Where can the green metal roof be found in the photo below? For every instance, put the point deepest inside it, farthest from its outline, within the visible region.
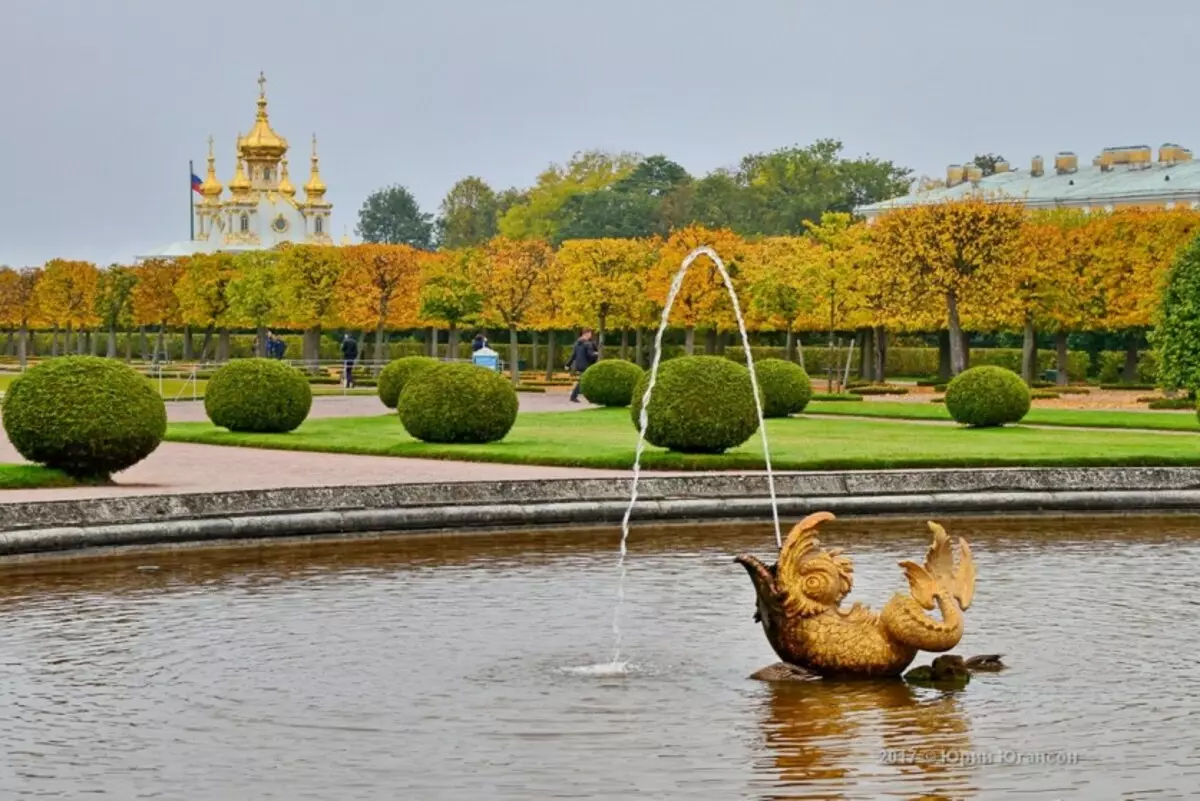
(1089, 185)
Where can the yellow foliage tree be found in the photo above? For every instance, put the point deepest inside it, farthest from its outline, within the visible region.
(20, 305)
(604, 281)
(778, 273)
(203, 294)
(702, 300)
(507, 276)
(447, 295)
(308, 282)
(379, 287)
(67, 296)
(953, 250)
(154, 299)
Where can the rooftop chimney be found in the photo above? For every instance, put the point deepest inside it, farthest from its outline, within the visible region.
(1066, 162)
(1038, 169)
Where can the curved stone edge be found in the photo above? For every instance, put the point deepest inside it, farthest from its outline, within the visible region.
(519, 515)
(163, 508)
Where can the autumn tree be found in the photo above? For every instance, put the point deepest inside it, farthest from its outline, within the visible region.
(255, 293)
(778, 286)
(19, 306)
(604, 280)
(447, 293)
(203, 293)
(10, 311)
(67, 296)
(380, 284)
(468, 215)
(540, 214)
(702, 299)
(549, 312)
(507, 277)
(114, 302)
(951, 249)
(308, 283)
(154, 299)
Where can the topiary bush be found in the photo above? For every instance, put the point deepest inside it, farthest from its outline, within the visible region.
(87, 416)
(610, 382)
(987, 396)
(393, 377)
(701, 404)
(458, 402)
(258, 395)
(785, 387)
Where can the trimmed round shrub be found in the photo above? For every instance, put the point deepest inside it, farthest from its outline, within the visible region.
(785, 387)
(610, 382)
(701, 404)
(258, 395)
(458, 402)
(87, 416)
(987, 396)
(393, 377)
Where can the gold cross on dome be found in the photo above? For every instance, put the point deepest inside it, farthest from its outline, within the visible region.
(262, 83)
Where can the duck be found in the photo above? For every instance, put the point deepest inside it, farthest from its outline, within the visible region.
(948, 672)
(985, 663)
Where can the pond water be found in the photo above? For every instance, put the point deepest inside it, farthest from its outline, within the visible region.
(434, 668)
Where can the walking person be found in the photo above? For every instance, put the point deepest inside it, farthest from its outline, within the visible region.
(479, 343)
(349, 357)
(582, 357)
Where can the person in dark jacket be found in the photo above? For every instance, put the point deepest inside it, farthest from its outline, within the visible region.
(349, 357)
(582, 357)
(479, 343)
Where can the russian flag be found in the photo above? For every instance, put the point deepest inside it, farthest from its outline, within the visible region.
(196, 183)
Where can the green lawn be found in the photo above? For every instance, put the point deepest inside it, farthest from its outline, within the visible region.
(28, 476)
(606, 438)
(1086, 418)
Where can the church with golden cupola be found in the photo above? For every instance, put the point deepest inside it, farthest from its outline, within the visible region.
(261, 208)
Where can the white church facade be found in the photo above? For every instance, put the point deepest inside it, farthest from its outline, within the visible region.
(261, 209)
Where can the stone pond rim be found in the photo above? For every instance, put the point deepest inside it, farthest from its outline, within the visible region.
(143, 520)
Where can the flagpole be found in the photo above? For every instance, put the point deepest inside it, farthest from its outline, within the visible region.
(191, 202)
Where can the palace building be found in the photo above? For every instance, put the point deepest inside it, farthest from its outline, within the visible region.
(1117, 178)
(261, 209)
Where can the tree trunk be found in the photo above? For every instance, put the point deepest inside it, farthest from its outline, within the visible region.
(378, 357)
(54, 342)
(207, 343)
(866, 357)
(260, 343)
(431, 341)
(93, 343)
(639, 347)
(689, 341)
(789, 345)
(23, 347)
(958, 359)
(880, 355)
(128, 346)
(514, 355)
(1060, 364)
(144, 343)
(452, 342)
(710, 342)
(1130, 374)
(600, 335)
(624, 343)
(223, 345)
(9, 344)
(160, 344)
(1029, 352)
(533, 351)
(551, 355)
(188, 355)
(111, 352)
(943, 356)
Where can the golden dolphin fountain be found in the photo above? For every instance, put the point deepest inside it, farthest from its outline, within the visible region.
(799, 606)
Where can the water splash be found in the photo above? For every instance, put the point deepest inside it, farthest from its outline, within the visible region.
(602, 671)
(644, 421)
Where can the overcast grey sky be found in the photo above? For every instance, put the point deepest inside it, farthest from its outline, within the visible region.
(104, 102)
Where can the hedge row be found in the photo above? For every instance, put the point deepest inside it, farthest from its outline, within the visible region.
(1108, 367)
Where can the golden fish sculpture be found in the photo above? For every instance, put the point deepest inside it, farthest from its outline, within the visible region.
(799, 606)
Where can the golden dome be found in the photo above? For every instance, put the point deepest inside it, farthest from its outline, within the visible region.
(240, 185)
(262, 142)
(285, 184)
(314, 190)
(211, 188)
